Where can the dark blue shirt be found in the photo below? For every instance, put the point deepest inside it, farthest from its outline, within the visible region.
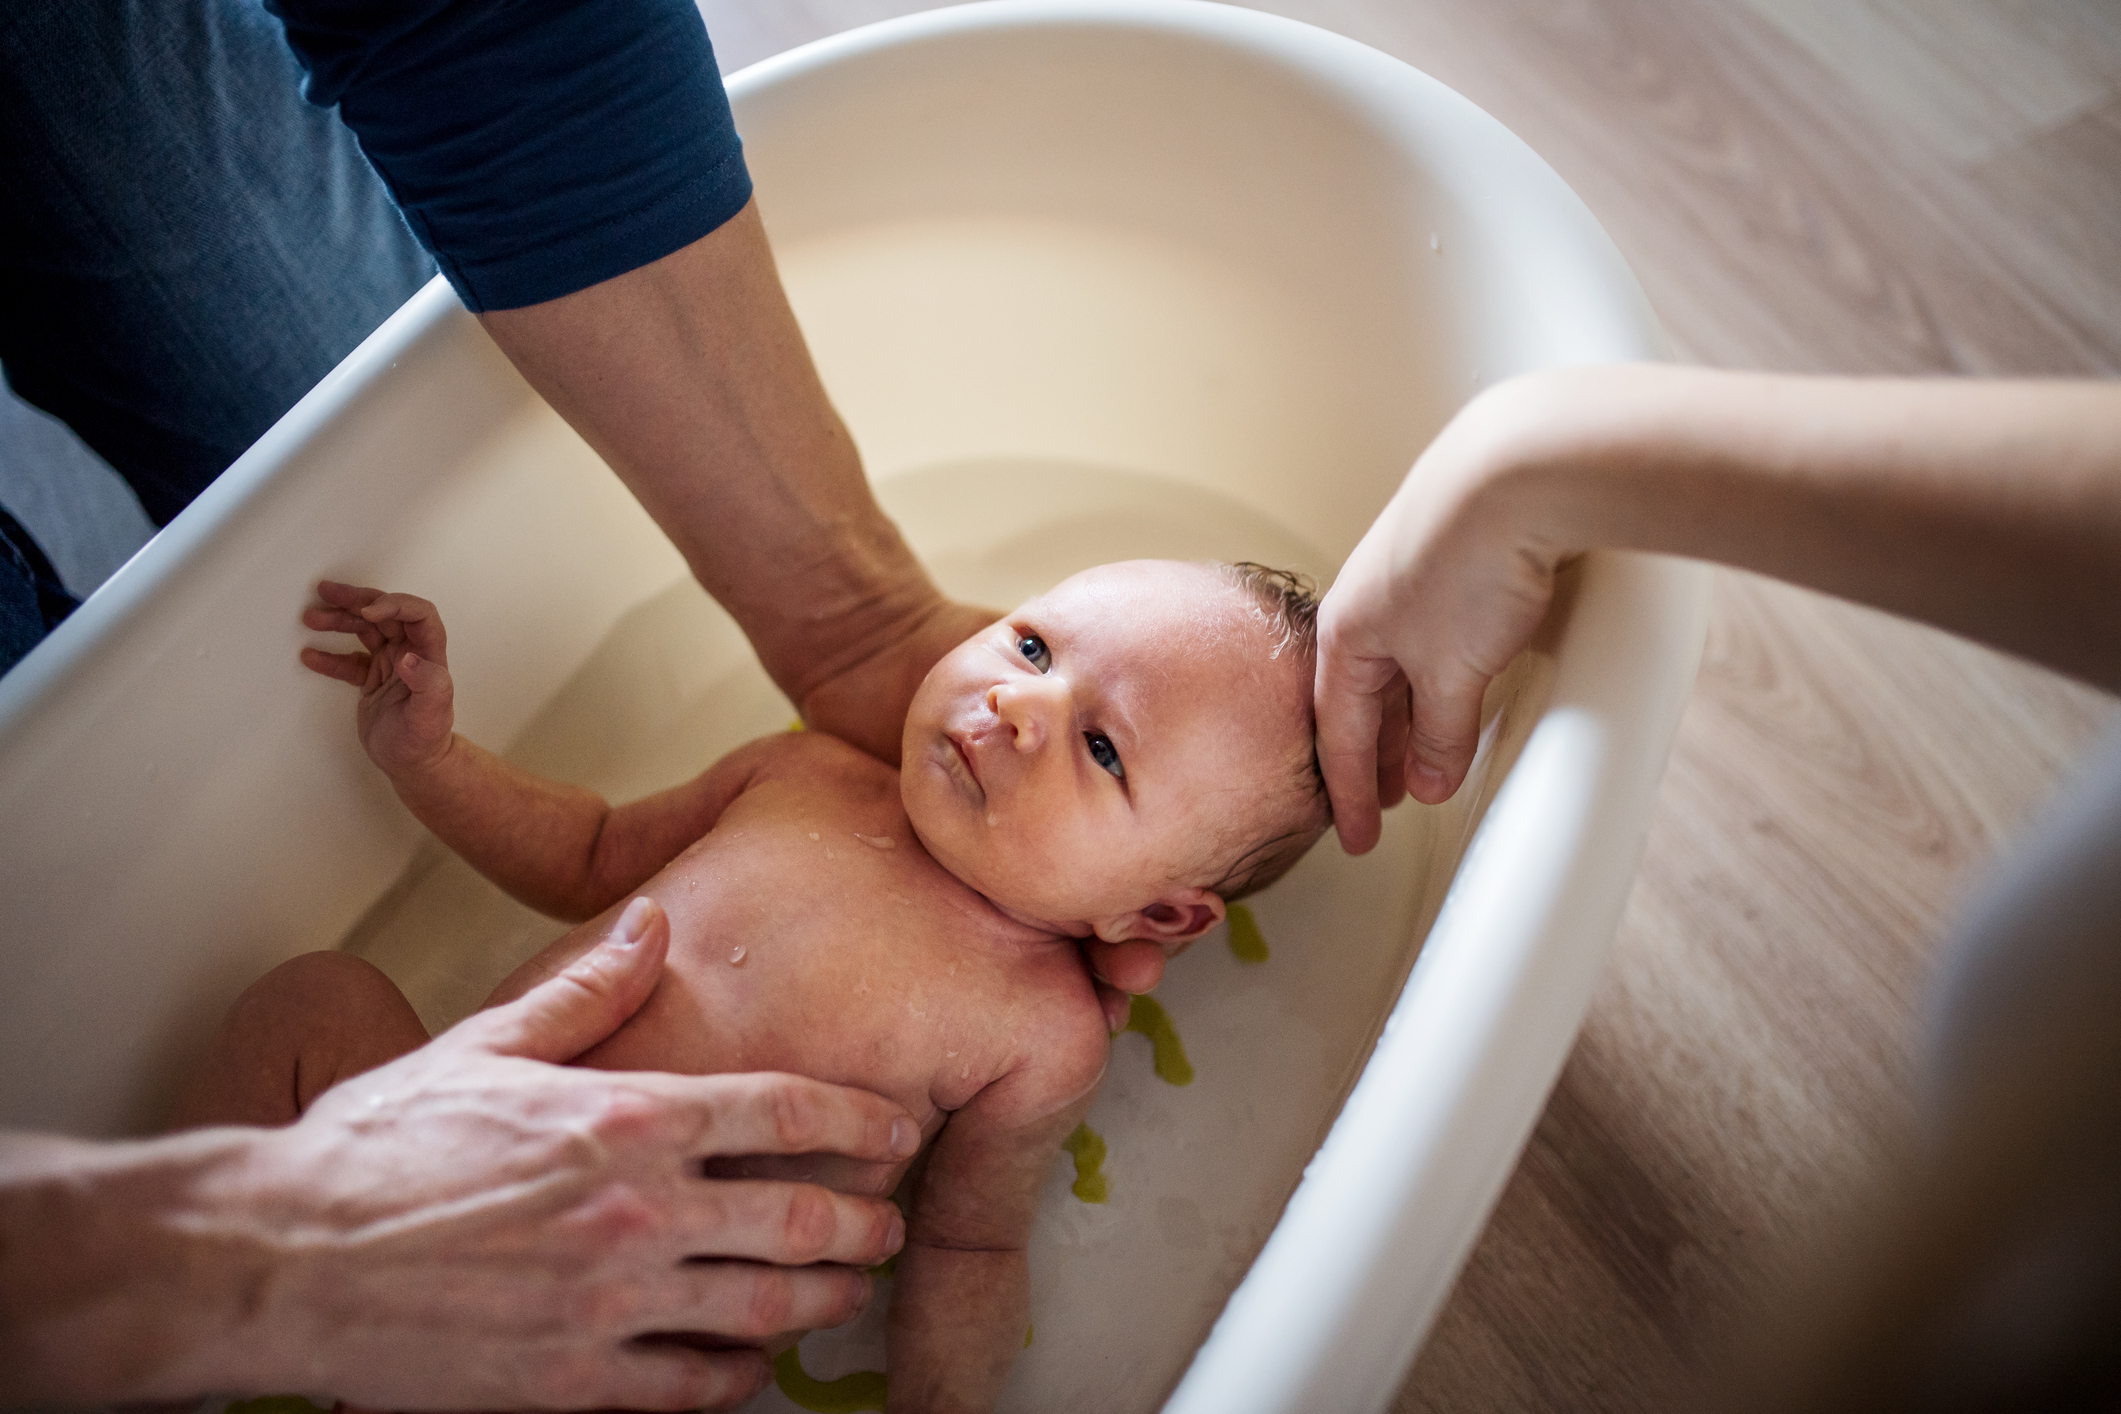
(536, 147)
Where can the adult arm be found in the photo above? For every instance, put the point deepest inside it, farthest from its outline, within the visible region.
(690, 377)
(1991, 509)
(575, 170)
(535, 1222)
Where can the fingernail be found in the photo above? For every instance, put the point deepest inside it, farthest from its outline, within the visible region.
(895, 1237)
(1428, 780)
(905, 1138)
(633, 923)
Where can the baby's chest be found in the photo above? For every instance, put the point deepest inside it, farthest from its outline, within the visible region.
(800, 943)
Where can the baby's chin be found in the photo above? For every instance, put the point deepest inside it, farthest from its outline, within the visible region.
(985, 869)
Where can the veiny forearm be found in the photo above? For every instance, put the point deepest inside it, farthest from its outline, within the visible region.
(1991, 509)
(691, 378)
(128, 1271)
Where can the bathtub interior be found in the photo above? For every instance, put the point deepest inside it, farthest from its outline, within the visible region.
(1085, 289)
(1056, 347)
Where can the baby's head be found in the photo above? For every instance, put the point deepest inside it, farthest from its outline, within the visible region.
(1126, 752)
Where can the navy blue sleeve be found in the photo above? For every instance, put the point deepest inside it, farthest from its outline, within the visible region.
(536, 147)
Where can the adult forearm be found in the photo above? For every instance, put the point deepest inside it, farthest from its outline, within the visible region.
(691, 378)
(1992, 509)
(124, 1270)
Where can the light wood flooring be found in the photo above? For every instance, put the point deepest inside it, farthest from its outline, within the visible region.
(1859, 186)
(1855, 186)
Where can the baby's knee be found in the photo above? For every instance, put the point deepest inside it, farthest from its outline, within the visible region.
(314, 988)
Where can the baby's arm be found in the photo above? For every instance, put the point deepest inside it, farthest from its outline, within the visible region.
(960, 1307)
(559, 848)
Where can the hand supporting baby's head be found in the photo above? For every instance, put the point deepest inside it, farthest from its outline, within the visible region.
(1123, 754)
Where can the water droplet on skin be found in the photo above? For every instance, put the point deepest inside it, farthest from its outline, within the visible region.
(992, 821)
(736, 956)
(876, 841)
(966, 1071)
(829, 854)
(813, 834)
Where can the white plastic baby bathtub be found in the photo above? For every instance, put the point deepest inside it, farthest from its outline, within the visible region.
(1088, 280)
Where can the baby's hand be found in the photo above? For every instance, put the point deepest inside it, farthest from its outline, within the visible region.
(406, 715)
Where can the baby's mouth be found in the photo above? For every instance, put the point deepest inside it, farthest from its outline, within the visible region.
(966, 768)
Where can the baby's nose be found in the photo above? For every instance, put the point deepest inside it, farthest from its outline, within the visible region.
(1027, 709)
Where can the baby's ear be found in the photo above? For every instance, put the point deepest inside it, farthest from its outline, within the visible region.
(1171, 922)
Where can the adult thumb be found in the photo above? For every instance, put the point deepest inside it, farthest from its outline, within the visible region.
(587, 1000)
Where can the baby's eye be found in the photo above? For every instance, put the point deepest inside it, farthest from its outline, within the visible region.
(1034, 650)
(1105, 754)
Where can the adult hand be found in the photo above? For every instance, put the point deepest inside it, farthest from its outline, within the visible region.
(865, 703)
(1437, 598)
(1122, 971)
(1985, 508)
(468, 1227)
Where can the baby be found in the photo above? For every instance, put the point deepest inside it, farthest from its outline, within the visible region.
(1115, 759)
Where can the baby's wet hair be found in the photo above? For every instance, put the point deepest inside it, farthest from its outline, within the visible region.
(1287, 600)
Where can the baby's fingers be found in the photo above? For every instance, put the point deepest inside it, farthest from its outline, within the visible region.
(423, 675)
(421, 623)
(346, 667)
(328, 620)
(352, 597)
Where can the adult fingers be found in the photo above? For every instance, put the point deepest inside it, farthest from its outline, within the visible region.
(662, 1375)
(565, 1015)
(792, 1114)
(1397, 705)
(785, 1224)
(1350, 707)
(1133, 966)
(1115, 1004)
(1442, 738)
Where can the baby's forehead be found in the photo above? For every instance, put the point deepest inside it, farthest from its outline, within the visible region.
(1187, 628)
(1162, 591)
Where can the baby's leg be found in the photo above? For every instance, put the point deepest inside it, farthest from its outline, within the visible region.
(300, 1029)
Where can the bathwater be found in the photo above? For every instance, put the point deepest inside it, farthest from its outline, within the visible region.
(1194, 1174)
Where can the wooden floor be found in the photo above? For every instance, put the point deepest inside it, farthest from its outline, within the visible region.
(1858, 186)
(1861, 186)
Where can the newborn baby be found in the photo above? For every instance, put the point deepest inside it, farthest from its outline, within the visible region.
(1115, 759)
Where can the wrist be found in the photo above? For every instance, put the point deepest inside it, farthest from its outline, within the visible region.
(1574, 459)
(132, 1271)
(425, 777)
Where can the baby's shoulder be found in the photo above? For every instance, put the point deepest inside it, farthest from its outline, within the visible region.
(811, 760)
(1062, 1044)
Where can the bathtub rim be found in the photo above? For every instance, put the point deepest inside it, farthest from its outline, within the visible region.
(162, 562)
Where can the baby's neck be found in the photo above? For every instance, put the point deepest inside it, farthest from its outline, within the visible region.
(1024, 927)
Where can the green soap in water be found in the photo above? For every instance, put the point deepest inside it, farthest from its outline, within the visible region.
(1027, 1337)
(1246, 942)
(849, 1394)
(886, 1267)
(275, 1404)
(1087, 1147)
(1148, 1018)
